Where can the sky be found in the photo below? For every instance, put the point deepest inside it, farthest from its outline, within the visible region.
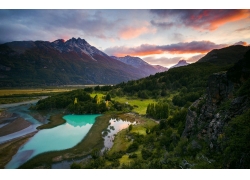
(158, 36)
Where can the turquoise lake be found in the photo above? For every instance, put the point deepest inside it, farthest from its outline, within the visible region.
(61, 137)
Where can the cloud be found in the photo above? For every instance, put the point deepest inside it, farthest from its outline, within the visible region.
(179, 48)
(195, 58)
(163, 25)
(241, 43)
(177, 37)
(54, 24)
(243, 29)
(132, 32)
(163, 61)
(168, 62)
(209, 19)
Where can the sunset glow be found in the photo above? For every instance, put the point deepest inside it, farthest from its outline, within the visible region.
(161, 36)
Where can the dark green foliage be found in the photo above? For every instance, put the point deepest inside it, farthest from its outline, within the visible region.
(130, 127)
(133, 147)
(163, 124)
(143, 94)
(158, 111)
(191, 80)
(244, 89)
(95, 163)
(106, 88)
(178, 119)
(85, 104)
(183, 98)
(97, 88)
(121, 106)
(75, 166)
(132, 156)
(95, 153)
(115, 163)
(108, 97)
(240, 72)
(115, 155)
(89, 89)
(146, 153)
(236, 147)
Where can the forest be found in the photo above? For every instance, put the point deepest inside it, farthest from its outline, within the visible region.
(178, 93)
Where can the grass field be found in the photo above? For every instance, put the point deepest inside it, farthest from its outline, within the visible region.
(8, 96)
(8, 92)
(140, 105)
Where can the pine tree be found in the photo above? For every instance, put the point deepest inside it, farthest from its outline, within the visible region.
(108, 97)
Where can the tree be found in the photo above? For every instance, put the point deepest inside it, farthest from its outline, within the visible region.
(130, 127)
(108, 97)
(75, 101)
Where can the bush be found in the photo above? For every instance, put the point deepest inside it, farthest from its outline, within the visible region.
(145, 154)
(133, 147)
(75, 166)
(132, 156)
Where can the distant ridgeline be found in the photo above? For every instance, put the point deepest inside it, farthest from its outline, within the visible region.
(72, 62)
(80, 102)
(189, 81)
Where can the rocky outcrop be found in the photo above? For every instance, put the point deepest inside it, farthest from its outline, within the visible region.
(208, 115)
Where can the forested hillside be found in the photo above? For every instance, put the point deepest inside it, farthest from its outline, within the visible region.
(202, 112)
(213, 132)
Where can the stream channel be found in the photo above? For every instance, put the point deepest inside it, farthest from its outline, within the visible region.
(61, 137)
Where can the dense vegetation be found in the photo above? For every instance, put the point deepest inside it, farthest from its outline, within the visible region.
(163, 146)
(80, 102)
(158, 111)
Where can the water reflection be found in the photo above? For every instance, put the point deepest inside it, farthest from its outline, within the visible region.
(77, 120)
(61, 137)
(114, 127)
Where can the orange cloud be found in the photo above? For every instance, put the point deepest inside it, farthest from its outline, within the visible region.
(132, 32)
(229, 17)
(179, 48)
(243, 43)
(144, 53)
(209, 19)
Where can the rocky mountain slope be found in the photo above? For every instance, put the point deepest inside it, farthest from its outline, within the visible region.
(43, 63)
(160, 68)
(226, 99)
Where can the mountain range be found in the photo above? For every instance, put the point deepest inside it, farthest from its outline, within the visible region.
(140, 64)
(180, 63)
(75, 61)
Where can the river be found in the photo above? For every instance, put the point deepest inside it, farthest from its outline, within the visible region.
(61, 137)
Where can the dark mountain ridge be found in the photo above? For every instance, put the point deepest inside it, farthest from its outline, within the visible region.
(227, 55)
(43, 63)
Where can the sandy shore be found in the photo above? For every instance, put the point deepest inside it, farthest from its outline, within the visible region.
(10, 148)
(14, 126)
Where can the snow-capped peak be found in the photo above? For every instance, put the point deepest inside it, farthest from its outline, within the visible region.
(78, 45)
(134, 61)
